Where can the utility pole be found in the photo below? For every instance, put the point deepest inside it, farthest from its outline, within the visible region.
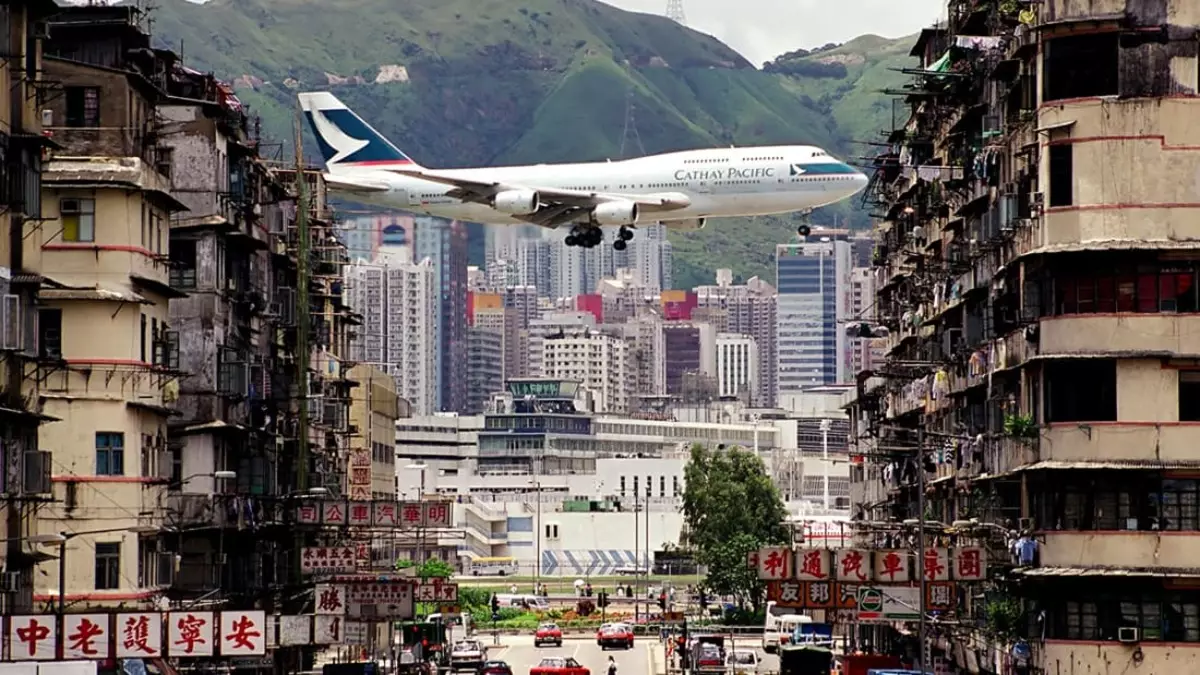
(303, 251)
(921, 603)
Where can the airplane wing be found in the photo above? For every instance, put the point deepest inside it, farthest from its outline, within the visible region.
(334, 182)
(560, 205)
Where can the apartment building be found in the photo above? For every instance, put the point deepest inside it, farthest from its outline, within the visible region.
(25, 477)
(398, 302)
(1037, 271)
(374, 409)
(444, 244)
(599, 362)
(103, 318)
(485, 365)
(736, 366)
(745, 309)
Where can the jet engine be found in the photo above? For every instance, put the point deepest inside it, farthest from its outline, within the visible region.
(516, 202)
(686, 224)
(615, 213)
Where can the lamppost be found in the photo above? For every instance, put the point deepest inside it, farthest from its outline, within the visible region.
(825, 426)
(537, 540)
(420, 466)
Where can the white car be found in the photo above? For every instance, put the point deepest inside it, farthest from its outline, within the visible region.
(467, 655)
(742, 662)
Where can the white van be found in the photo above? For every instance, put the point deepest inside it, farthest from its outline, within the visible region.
(521, 601)
(779, 626)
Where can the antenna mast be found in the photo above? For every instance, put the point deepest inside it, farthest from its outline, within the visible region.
(675, 12)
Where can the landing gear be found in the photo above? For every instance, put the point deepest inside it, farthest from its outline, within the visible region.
(587, 236)
(804, 229)
(623, 236)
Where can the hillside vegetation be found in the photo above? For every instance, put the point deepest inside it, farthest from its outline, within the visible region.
(490, 82)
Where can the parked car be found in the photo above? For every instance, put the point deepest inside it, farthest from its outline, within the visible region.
(559, 665)
(742, 662)
(495, 668)
(467, 655)
(615, 635)
(548, 634)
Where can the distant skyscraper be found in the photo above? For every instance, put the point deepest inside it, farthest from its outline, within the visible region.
(748, 309)
(813, 279)
(737, 365)
(649, 257)
(445, 243)
(485, 366)
(863, 354)
(398, 300)
(599, 362)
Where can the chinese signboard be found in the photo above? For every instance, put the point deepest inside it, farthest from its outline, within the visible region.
(329, 599)
(862, 566)
(366, 513)
(99, 636)
(381, 599)
(359, 476)
(811, 594)
(437, 592)
(328, 560)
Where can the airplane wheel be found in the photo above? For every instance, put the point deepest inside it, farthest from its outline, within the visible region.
(571, 240)
(596, 237)
(619, 244)
(625, 233)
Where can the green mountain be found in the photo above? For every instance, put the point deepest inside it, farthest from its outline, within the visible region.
(487, 82)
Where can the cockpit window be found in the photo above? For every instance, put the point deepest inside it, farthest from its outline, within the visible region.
(820, 153)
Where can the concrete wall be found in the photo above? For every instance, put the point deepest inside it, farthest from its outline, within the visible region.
(1106, 658)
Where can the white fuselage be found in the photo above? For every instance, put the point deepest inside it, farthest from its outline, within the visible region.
(750, 181)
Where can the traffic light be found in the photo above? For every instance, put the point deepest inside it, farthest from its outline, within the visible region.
(662, 600)
(602, 599)
(495, 604)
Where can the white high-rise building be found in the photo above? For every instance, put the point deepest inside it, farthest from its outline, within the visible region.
(813, 281)
(599, 362)
(649, 257)
(398, 300)
(737, 365)
(748, 309)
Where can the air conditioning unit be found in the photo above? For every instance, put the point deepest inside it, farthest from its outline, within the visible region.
(1129, 635)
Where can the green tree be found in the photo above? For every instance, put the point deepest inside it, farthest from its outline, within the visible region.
(731, 507)
(432, 569)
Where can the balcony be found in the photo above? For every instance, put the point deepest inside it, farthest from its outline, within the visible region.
(1121, 549)
(1120, 442)
(1122, 334)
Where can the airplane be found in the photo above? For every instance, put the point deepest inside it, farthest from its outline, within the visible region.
(681, 190)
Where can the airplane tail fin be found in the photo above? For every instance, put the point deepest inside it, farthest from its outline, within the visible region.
(346, 141)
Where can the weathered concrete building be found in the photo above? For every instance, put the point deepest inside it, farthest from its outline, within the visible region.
(24, 467)
(104, 337)
(1037, 268)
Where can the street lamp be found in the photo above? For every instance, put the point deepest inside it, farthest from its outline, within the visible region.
(62, 538)
(420, 466)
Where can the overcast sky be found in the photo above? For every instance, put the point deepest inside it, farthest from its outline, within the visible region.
(764, 29)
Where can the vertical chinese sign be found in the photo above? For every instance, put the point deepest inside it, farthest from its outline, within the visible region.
(359, 477)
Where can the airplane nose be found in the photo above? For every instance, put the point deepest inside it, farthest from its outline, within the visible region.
(860, 181)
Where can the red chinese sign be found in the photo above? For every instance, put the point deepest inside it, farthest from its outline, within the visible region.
(411, 515)
(812, 565)
(853, 565)
(937, 564)
(360, 513)
(330, 599)
(86, 636)
(892, 566)
(32, 637)
(386, 513)
(139, 635)
(333, 513)
(970, 564)
(809, 594)
(190, 634)
(775, 564)
(243, 633)
(439, 514)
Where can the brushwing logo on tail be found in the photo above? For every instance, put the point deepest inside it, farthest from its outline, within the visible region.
(337, 139)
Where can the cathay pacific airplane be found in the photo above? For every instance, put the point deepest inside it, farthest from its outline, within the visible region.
(679, 189)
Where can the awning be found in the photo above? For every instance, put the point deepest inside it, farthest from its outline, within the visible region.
(1159, 573)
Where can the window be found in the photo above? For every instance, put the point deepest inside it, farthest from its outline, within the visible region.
(1080, 66)
(183, 263)
(142, 346)
(78, 219)
(1189, 396)
(1062, 175)
(1066, 378)
(50, 334)
(108, 566)
(83, 106)
(110, 453)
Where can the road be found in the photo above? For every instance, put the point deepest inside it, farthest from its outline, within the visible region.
(518, 651)
(521, 655)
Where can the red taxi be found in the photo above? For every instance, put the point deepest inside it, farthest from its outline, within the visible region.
(559, 665)
(615, 635)
(548, 634)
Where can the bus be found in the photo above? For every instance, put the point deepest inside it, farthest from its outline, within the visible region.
(491, 567)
